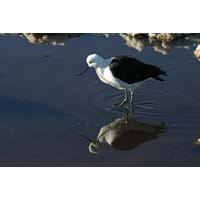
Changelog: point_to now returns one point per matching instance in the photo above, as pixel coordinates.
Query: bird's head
(94, 60)
(94, 147)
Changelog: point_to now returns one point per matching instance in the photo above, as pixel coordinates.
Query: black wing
(131, 70)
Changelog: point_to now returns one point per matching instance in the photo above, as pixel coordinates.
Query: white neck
(104, 63)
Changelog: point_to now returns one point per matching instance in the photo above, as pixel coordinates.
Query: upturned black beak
(87, 138)
(82, 72)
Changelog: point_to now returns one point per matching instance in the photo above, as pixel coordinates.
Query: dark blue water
(44, 107)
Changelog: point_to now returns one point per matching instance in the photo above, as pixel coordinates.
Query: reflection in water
(125, 133)
(162, 42)
(51, 38)
(44, 105)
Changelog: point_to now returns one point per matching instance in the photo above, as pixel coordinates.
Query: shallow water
(44, 107)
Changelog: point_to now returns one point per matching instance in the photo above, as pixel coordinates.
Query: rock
(163, 37)
(163, 42)
(135, 40)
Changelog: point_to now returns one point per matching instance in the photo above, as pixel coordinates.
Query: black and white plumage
(123, 72)
(131, 70)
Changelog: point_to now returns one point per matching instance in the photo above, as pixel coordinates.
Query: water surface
(44, 107)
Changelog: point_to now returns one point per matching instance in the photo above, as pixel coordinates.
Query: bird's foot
(121, 103)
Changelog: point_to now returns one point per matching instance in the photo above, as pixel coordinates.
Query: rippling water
(44, 107)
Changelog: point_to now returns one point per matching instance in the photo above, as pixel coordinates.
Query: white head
(94, 147)
(93, 144)
(94, 60)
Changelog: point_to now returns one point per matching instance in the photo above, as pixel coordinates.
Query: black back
(131, 70)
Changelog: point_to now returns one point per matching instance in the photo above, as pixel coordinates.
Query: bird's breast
(106, 76)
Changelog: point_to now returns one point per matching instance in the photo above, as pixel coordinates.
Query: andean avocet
(123, 72)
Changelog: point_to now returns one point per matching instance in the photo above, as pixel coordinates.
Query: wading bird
(123, 72)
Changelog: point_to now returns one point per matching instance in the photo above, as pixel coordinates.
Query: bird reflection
(124, 133)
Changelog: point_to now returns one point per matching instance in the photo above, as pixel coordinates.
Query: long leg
(131, 99)
(132, 94)
(125, 98)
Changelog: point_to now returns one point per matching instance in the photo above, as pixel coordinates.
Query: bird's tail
(158, 78)
(161, 73)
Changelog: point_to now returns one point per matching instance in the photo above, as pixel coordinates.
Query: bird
(124, 133)
(123, 72)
